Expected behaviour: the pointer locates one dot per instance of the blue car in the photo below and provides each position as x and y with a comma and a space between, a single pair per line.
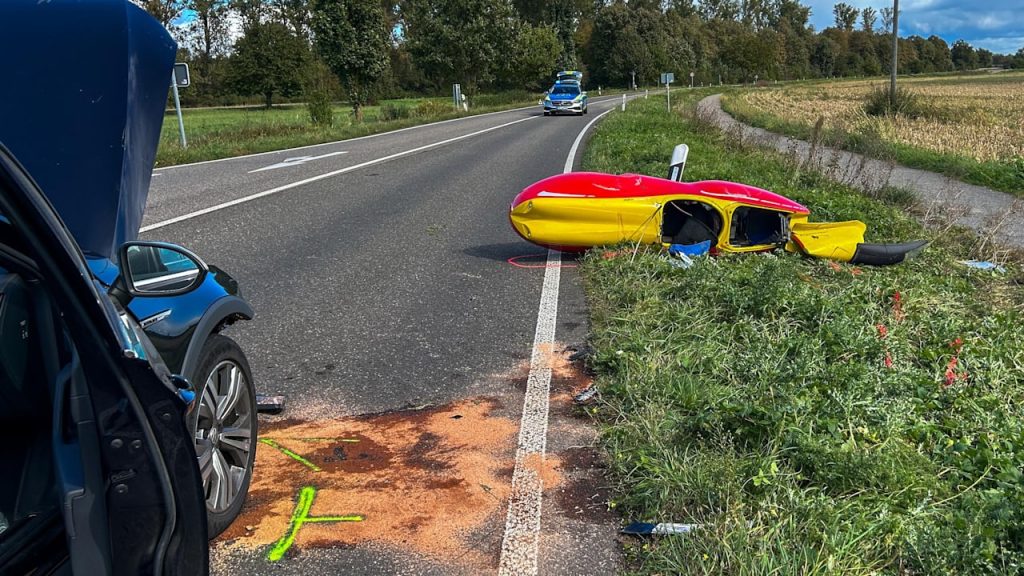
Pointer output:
565, 97
115, 374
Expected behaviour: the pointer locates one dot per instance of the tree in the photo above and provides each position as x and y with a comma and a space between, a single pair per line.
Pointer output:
845, 15
826, 53
536, 53
464, 41
963, 56
165, 11
868, 17
886, 15
351, 38
269, 59
210, 27
984, 57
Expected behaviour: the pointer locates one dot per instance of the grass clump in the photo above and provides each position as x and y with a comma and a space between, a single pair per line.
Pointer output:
882, 101
815, 418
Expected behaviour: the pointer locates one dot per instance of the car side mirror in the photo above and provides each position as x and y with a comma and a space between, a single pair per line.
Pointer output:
158, 269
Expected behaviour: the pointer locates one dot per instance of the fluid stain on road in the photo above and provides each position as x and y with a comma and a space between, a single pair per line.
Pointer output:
432, 481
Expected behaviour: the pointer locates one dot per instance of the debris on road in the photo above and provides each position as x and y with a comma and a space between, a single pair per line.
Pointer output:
266, 404
651, 529
586, 395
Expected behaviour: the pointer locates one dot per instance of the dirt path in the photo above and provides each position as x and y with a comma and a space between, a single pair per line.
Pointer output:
976, 207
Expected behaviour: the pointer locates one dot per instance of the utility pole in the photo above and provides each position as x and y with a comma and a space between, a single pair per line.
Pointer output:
895, 56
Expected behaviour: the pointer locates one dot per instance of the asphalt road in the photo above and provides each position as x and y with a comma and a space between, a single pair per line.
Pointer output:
378, 269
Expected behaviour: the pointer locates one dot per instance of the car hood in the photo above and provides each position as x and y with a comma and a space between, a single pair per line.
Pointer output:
85, 92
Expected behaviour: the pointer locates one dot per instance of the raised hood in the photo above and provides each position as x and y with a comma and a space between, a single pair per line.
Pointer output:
85, 87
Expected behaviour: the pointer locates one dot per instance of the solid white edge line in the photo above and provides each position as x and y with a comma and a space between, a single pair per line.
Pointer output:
519, 554
251, 197
368, 136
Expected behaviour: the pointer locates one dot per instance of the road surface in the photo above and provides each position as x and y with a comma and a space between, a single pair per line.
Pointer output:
390, 316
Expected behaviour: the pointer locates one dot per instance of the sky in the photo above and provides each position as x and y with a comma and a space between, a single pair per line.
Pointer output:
996, 25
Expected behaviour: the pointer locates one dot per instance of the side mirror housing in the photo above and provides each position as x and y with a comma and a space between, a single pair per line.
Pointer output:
156, 269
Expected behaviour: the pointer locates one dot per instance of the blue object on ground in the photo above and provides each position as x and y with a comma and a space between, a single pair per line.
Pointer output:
699, 249
983, 265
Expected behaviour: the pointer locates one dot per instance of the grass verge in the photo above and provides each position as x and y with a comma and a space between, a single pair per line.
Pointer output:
814, 418
214, 133
1003, 176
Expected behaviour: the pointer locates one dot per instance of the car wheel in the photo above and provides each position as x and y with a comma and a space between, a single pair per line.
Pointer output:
546, 113
585, 110
224, 427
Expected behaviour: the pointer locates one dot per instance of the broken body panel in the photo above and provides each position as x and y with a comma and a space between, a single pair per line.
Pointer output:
575, 211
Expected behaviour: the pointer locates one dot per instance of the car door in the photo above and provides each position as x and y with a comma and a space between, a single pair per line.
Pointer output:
102, 475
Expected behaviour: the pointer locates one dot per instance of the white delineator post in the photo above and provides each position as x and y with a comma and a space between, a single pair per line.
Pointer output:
623, 102
177, 107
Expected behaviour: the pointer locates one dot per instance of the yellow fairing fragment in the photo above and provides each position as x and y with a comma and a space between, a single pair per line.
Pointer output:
585, 222
832, 240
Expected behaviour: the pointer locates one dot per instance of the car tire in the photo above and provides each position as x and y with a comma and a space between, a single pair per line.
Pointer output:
546, 113
585, 110
225, 458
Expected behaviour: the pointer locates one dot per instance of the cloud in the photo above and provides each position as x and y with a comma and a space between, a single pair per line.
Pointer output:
996, 25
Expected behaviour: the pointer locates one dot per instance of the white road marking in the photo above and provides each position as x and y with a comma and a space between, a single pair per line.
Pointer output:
522, 524
297, 161
272, 191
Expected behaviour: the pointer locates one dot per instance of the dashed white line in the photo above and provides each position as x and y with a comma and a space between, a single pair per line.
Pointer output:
298, 183
522, 523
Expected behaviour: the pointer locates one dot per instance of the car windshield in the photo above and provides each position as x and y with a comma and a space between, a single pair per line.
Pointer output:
565, 90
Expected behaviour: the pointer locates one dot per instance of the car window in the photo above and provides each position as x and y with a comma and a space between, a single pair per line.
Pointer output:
567, 90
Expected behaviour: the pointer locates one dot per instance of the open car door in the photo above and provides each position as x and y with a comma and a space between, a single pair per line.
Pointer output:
100, 476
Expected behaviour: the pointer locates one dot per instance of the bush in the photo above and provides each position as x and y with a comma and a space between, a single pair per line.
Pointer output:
906, 103
318, 103
428, 108
390, 111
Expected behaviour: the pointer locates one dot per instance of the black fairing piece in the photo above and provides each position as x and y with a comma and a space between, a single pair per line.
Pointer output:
886, 254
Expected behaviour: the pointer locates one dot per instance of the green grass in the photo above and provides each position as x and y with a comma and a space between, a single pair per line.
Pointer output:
1002, 176
224, 132
750, 393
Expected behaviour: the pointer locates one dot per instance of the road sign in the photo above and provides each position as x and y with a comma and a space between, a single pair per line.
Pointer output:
667, 77
181, 78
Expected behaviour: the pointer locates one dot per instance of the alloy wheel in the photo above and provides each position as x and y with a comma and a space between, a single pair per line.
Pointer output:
223, 434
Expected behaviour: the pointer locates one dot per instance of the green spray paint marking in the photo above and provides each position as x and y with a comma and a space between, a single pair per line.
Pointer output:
290, 454
349, 440
299, 517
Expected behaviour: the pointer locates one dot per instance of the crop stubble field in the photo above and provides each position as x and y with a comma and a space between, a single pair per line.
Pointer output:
970, 127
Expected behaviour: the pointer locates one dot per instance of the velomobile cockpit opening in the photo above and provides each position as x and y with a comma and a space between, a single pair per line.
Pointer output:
690, 222
757, 226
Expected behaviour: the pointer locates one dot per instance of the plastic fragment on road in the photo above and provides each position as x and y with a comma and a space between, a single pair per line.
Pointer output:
586, 395
267, 404
651, 529
983, 265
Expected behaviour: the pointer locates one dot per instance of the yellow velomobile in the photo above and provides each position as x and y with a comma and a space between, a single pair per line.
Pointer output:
579, 210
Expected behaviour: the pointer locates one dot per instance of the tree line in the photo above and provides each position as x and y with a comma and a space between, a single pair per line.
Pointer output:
361, 50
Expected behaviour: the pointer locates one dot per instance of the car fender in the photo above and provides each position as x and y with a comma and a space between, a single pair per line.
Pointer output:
223, 311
